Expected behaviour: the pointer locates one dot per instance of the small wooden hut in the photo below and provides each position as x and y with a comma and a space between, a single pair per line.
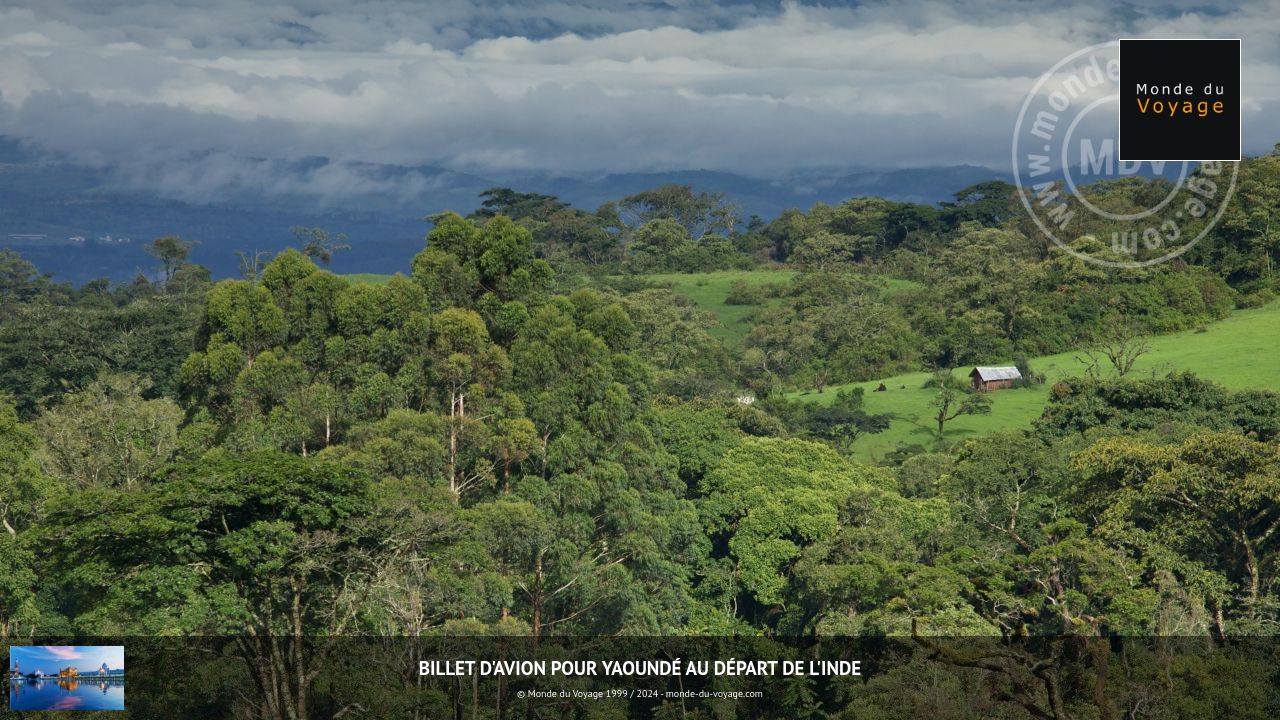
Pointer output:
986, 379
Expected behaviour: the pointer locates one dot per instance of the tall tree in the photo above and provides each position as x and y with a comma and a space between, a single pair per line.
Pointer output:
698, 212
318, 244
171, 251
19, 279
109, 435
246, 314
517, 205
954, 400
770, 498
268, 548
23, 488
1122, 342
1213, 501
467, 364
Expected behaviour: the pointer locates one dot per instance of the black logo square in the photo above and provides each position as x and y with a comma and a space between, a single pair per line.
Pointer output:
1179, 99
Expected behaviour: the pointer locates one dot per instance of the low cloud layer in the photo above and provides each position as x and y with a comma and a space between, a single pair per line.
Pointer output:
754, 88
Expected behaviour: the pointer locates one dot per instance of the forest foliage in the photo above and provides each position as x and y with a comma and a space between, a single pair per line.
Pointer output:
512, 440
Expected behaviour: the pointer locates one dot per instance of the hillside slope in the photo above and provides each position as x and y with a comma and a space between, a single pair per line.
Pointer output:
1238, 352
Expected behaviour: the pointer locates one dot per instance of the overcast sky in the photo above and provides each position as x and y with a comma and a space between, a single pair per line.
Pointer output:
753, 87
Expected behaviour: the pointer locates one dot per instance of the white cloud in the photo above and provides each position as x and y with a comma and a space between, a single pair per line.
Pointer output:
754, 88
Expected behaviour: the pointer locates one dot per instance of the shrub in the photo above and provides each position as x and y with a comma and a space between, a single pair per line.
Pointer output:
743, 293
1030, 378
1255, 299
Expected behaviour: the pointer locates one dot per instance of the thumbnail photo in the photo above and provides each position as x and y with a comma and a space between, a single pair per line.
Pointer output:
66, 677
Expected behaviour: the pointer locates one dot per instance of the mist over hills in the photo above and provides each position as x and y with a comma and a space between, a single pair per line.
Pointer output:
84, 221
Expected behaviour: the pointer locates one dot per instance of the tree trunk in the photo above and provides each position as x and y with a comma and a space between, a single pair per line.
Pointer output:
502, 695
536, 599
1100, 648
1219, 633
457, 699
457, 412
1251, 567
300, 666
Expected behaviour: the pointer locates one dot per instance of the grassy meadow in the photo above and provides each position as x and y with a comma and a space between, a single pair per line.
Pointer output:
709, 290
1242, 351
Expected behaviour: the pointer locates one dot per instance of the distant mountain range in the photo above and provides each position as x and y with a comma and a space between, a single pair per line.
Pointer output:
82, 221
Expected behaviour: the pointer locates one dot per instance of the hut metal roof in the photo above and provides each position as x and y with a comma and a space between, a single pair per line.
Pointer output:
996, 373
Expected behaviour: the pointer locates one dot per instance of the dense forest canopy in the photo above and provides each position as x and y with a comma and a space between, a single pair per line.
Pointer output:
527, 434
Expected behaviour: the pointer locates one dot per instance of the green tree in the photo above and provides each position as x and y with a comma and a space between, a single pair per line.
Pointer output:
1174, 401
1053, 589
24, 491
23, 488
673, 335
246, 314
579, 235
825, 251
517, 205
51, 344
171, 251
610, 541
19, 279
769, 498
1211, 502
318, 244
465, 265
951, 401
844, 421
406, 444
269, 548
655, 245
18, 586
108, 435
697, 212
1245, 244
879, 572
466, 363
987, 202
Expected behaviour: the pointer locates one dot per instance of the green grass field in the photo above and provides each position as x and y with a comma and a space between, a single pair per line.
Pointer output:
709, 290
1238, 352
